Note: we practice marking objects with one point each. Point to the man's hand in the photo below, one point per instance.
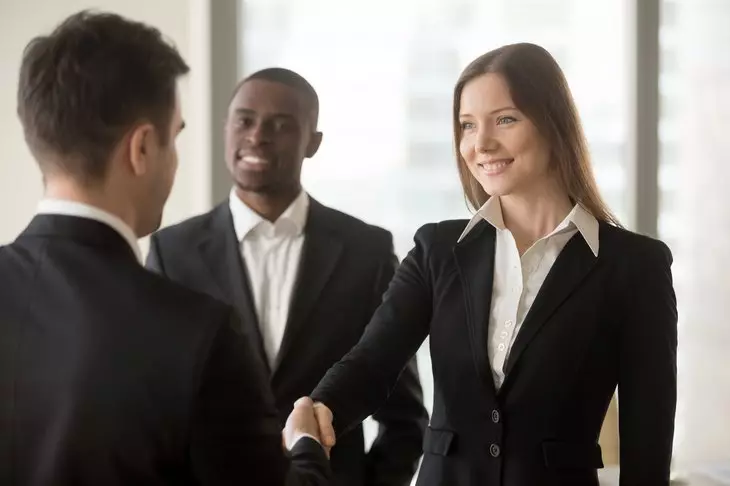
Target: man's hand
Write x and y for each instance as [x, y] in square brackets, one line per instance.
[309, 420]
[301, 423]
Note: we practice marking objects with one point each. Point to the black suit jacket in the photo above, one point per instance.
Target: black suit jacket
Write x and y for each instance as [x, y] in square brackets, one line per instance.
[345, 268]
[111, 375]
[596, 322]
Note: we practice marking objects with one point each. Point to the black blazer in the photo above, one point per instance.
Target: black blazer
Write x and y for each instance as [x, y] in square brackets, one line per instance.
[345, 268]
[596, 323]
[111, 375]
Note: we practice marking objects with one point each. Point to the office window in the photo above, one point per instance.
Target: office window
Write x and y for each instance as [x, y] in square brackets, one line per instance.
[695, 217]
[385, 77]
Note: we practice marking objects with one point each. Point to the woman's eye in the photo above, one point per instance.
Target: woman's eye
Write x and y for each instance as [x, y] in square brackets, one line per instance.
[506, 120]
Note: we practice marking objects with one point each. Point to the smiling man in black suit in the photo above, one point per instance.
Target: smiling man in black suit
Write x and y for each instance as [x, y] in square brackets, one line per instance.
[305, 278]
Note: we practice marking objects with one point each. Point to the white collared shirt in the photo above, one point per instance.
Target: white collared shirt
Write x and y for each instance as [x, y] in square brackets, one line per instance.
[271, 252]
[81, 210]
[517, 280]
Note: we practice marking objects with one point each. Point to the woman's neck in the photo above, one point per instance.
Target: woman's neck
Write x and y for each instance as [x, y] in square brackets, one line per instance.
[533, 215]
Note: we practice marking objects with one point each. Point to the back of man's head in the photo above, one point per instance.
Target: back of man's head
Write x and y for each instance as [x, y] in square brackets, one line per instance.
[84, 86]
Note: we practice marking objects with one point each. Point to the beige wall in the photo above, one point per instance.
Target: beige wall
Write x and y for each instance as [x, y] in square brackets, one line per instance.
[183, 21]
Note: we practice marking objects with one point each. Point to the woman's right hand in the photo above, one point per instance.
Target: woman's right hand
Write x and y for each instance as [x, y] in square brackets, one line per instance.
[326, 430]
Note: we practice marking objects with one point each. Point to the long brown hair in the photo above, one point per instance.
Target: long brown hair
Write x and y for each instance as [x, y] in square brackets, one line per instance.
[540, 91]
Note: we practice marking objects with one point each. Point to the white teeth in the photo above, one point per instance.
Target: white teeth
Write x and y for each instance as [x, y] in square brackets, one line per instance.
[492, 167]
[252, 159]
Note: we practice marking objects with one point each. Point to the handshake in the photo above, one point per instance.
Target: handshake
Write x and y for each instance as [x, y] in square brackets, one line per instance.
[309, 419]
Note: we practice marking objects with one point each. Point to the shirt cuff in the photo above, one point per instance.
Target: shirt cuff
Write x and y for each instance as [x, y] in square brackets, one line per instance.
[300, 436]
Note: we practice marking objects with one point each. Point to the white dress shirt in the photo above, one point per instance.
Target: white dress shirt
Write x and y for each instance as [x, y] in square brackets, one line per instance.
[81, 210]
[517, 280]
[271, 252]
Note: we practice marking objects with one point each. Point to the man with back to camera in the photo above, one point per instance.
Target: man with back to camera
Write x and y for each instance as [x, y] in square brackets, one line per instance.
[109, 374]
[305, 278]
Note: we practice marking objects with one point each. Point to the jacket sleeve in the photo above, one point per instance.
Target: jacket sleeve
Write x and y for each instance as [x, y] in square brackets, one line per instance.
[647, 389]
[360, 383]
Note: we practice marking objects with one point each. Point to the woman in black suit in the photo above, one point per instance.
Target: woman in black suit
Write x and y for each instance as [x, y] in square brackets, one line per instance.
[537, 308]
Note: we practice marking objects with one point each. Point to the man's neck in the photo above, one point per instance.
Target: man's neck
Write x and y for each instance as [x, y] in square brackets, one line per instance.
[267, 205]
[91, 196]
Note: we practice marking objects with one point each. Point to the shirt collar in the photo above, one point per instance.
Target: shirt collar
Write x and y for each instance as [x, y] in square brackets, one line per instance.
[246, 220]
[578, 218]
[587, 226]
[81, 210]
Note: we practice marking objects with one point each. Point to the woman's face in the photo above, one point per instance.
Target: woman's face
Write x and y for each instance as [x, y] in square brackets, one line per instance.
[500, 145]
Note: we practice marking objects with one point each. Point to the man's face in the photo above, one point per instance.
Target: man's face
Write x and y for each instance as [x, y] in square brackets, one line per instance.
[270, 130]
[162, 172]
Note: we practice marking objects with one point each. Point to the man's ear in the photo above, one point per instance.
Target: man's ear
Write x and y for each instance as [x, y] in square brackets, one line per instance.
[314, 142]
[141, 141]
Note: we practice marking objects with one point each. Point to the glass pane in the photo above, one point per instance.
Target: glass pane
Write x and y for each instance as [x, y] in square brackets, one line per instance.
[695, 217]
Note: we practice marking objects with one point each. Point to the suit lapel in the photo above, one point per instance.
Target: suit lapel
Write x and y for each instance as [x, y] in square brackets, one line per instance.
[221, 252]
[572, 265]
[475, 260]
[320, 253]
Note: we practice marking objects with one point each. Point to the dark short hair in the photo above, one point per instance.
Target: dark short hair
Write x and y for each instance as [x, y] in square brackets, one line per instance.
[84, 86]
[288, 78]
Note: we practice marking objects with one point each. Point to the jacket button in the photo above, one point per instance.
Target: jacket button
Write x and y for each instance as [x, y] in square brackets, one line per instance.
[495, 416]
[494, 450]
